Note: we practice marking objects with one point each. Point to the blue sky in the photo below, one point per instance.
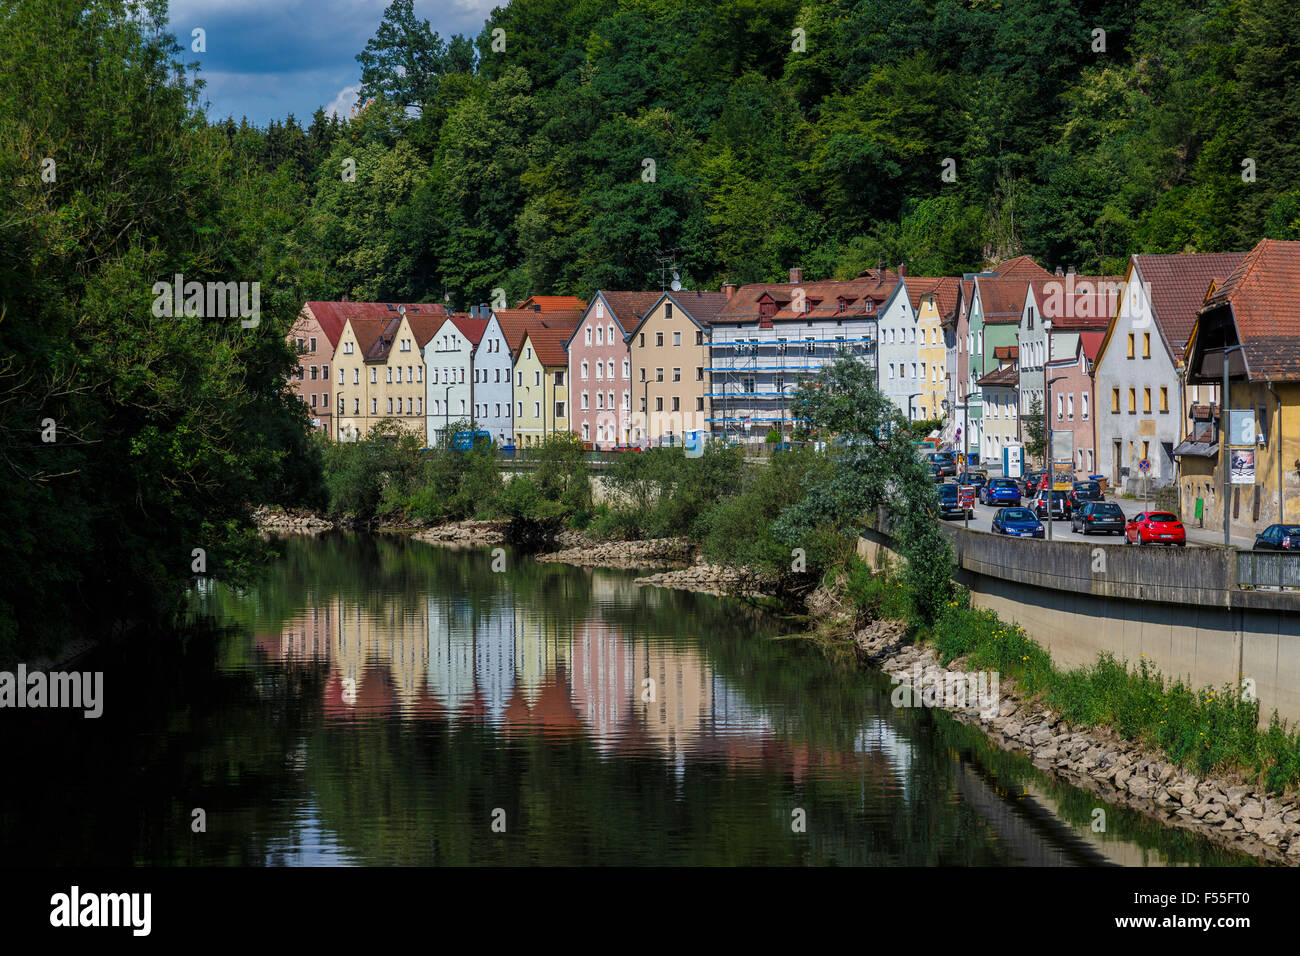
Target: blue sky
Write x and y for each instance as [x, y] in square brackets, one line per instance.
[268, 58]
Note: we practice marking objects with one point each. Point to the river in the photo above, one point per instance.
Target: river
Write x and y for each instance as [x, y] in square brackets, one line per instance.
[376, 700]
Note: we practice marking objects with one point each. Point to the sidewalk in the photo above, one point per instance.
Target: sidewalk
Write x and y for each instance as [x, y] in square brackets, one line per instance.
[1214, 536]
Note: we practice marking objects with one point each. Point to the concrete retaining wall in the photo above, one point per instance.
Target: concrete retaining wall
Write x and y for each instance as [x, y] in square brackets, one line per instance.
[1180, 608]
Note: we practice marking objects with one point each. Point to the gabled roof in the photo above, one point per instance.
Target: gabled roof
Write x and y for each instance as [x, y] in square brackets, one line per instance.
[944, 289]
[700, 307]
[552, 303]
[367, 331]
[1263, 292]
[549, 345]
[515, 323]
[1090, 342]
[423, 327]
[627, 308]
[1177, 284]
[1020, 267]
[331, 316]
[470, 327]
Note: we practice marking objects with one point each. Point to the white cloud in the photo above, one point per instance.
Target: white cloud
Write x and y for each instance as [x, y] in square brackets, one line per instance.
[343, 102]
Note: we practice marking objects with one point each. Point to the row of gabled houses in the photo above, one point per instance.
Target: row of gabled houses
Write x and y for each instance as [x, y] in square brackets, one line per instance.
[1123, 366]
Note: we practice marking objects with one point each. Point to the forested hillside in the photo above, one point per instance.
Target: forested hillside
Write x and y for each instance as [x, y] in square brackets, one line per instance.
[523, 168]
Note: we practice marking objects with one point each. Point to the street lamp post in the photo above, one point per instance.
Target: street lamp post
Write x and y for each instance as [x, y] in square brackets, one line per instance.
[783, 390]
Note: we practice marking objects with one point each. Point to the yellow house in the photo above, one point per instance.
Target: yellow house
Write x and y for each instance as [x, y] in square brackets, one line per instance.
[380, 368]
[541, 386]
[670, 359]
[932, 301]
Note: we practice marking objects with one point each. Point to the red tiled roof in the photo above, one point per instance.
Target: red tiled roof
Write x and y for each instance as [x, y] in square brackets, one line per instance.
[553, 303]
[1007, 376]
[1263, 292]
[515, 323]
[1177, 284]
[1003, 300]
[469, 327]
[1090, 342]
[943, 288]
[1021, 267]
[627, 308]
[1075, 302]
[822, 297]
[549, 345]
[1006, 351]
[703, 307]
[331, 316]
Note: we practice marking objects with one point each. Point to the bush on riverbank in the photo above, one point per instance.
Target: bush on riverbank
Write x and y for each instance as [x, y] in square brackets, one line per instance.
[1203, 730]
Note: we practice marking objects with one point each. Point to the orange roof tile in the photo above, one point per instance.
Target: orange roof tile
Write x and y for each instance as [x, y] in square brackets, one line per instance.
[1263, 291]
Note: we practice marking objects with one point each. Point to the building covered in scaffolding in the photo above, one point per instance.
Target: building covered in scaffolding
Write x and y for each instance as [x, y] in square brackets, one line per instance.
[769, 336]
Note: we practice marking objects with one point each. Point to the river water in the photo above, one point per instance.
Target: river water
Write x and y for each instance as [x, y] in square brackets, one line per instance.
[376, 700]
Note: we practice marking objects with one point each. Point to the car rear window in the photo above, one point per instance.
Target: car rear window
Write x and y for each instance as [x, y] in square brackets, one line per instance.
[1002, 483]
[1291, 530]
[1088, 486]
[947, 491]
[1018, 514]
[1161, 516]
[1109, 510]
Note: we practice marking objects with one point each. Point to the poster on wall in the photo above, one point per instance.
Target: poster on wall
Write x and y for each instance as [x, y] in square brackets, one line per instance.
[1243, 466]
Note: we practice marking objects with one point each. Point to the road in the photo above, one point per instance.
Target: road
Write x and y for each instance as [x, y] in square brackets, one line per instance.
[983, 521]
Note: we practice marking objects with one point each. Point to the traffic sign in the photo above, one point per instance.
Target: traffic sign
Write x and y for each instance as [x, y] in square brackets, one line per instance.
[1144, 465]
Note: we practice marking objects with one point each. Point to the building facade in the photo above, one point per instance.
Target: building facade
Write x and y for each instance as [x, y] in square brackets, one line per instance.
[541, 387]
[600, 367]
[669, 357]
[450, 376]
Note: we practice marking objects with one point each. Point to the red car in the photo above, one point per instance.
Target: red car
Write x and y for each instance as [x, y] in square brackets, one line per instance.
[1155, 527]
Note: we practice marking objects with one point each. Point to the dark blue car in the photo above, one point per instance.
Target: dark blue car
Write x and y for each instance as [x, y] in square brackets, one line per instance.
[1017, 522]
[1000, 491]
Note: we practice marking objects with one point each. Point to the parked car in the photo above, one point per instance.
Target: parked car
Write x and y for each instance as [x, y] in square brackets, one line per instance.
[1018, 522]
[950, 503]
[974, 476]
[1098, 517]
[1060, 503]
[1085, 491]
[1000, 491]
[1278, 537]
[943, 463]
[1155, 527]
[1030, 483]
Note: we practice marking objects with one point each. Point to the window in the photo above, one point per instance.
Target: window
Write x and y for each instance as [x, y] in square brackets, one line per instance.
[419, 373]
[1060, 405]
[1146, 345]
[677, 404]
[610, 337]
[315, 373]
[1164, 399]
[356, 406]
[600, 401]
[600, 371]
[1130, 344]
[659, 338]
[519, 381]
[1114, 399]
[399, 374]
[537, 409]
[347, 348]
[627, 368]
[373, 376]
[659, 375]
[587, 335]
[584, 370]
[677, 375]
[1069, 405]
[610, 403]
[891, 371]
[1132, 401]
[374, 406]
[1084, 399]
[341, 379]
[519, 409]
[659, 404]
[388, 373]
[313, 399]
[559, 409]
[1146, 450]
[586, 431]
[677, 339]
[390, 406]
[1146, 400]
[668, 312]
[699, 337]
[341, 405]
[600, 335]
[642, 340]
[699, 373]
[537, 377]
[497, 406]
[559, 380]
[699, 404]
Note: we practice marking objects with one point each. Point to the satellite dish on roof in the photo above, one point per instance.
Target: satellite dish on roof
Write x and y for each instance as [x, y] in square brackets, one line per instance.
[676, 284]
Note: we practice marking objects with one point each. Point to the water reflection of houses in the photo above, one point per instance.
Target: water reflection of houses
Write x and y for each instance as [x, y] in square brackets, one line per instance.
[528, 672]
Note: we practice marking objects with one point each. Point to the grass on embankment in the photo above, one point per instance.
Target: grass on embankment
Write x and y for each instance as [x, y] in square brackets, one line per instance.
[1201, 730]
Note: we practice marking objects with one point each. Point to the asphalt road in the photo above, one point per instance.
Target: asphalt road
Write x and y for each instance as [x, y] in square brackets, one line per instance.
[983, 521]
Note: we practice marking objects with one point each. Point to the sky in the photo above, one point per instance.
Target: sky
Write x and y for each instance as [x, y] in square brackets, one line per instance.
[266, 59]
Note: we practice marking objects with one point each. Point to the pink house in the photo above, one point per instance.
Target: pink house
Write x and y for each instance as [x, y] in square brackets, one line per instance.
[1074, 400]
[315, 336]
[600, 368]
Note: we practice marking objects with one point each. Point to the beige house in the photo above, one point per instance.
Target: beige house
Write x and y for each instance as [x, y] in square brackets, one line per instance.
[669, 352]
[381, 373]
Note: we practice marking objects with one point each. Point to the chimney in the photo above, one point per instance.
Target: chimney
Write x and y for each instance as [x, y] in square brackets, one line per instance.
[1070, 271]
[1058, 271]
[482, 310]
[729, 288]
[345, 297]
[796, 275]
[902, 270]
